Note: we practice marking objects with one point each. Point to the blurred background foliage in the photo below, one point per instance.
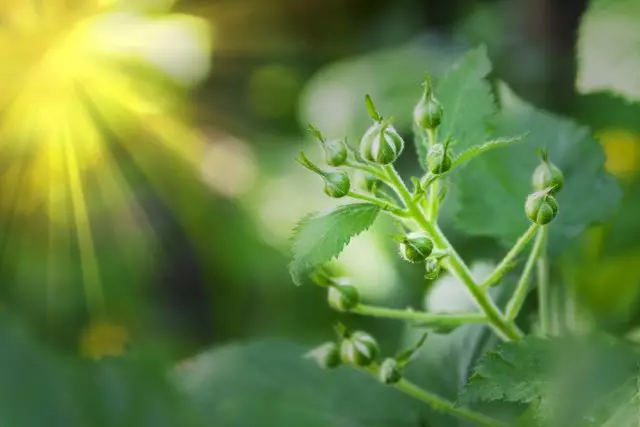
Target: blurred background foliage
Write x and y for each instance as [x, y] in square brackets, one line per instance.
[147, 174]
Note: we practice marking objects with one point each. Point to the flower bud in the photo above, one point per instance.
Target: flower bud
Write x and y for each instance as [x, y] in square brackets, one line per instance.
[381, 144]
[416, 247]
[390, 371]
[327, 355]
[541, 207]
[439, 159]
[343, 297]
[547, 176]
[359, 348]
[432, 268]
[335, 152]
[428, 113]
[337, 184]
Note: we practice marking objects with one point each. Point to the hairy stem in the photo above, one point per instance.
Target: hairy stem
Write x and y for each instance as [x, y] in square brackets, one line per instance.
[367, 168]
[543, 285]
[454, 263]
[433, 206]
[516, 301]
[384, 205]
[447, 319]
[438, 403]
[507, 262]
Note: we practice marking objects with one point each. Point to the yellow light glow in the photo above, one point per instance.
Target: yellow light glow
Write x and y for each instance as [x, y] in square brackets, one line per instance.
[78, 78]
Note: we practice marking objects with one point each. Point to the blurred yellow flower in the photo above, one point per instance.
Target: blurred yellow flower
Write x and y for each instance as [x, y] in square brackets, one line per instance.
[84, 83]
[102, 339]
[622, 149]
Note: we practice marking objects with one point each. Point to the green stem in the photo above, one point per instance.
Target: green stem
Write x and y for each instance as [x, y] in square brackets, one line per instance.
[454, 263]
[447, 319]
[384, 205]
[367, 168]
[543, 286]
[432, 207]
[438, 403]
[506, 263]
[516, 301]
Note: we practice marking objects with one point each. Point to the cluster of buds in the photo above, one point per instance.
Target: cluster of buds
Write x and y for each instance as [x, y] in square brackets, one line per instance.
[360, 349]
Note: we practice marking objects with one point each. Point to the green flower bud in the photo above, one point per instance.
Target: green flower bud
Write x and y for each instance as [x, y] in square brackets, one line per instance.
[428, 113]
[381, 144]
[390, 371]
[439, 159]
[359, 348]
[343, 297]
[432, 268]
[416, 247]
[541, 207]
[337, 184]
[335, 152]
[327, 355]
[547, 176]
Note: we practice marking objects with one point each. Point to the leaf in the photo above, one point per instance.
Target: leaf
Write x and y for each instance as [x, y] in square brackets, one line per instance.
[269, 384]
[621, 408]
[609, 48]
[322, 236]
[467, 101]
[516, 372]
[562, 379]
[477, 150]
[492, 189]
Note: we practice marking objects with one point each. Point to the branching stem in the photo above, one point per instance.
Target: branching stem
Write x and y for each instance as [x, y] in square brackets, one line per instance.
[384, 205]
[438, 403]
[446, 319]
[543, 285]
[515, 304]
[454, 263]
[507, 262]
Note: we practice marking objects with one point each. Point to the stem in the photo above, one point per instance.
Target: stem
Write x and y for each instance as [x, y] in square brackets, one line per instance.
[454, 263]
[543, 285]
[506, 263]
[384, 205]
[438, 403]
[366, 168]
[516, 301]
[432, 207]
[442, 319]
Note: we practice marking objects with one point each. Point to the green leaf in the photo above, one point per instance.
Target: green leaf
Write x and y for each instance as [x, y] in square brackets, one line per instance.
[467, 101]
[516, 372]
[270, 384]
[621, 408]
[40, 387]
[569, 381]
[322, 236]
[496, 184]
[609, 48]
